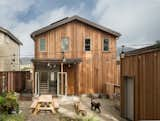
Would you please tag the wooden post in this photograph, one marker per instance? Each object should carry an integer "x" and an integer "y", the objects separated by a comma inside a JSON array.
[
  {"x": 61, "y": 78},
  {"x": 3, "y": 83}
]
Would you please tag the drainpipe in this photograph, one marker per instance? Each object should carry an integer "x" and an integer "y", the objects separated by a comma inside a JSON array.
[{"x": 122, "y": 56}]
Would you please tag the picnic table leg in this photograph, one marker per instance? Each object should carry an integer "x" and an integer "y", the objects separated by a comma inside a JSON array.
[
  {"x": 52, "y": 108},
  {"x": 36, "y": 109}
]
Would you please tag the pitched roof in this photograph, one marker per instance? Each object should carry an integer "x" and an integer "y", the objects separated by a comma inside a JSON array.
[
  {"x": 147, "y": 49},
  {"x": 70, "y": 19},
  {"x": 15, "y": 39}
]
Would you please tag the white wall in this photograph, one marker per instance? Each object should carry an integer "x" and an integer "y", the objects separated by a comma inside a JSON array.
[{"x": 7, "y": 48}]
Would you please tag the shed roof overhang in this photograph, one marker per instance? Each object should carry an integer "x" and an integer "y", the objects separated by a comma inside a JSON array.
[{"x": 144, "y": 50}]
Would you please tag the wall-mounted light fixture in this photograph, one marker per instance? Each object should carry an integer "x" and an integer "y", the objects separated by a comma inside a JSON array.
[{"x": 122, "y": 54}]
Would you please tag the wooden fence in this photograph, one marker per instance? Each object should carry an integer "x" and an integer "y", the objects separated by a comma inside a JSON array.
[{"x": 13, "y": 80}]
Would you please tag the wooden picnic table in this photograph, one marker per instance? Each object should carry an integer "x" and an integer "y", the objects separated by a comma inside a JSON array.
[{"x": 43, "y": 103}]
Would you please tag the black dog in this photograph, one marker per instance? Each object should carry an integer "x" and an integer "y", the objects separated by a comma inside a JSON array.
[{"x": 95, "y": 105}]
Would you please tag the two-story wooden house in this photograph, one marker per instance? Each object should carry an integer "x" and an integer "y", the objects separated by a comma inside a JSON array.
[{"x": 74, "y": 56}]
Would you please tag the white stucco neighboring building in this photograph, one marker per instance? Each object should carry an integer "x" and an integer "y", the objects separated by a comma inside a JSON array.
[{"x": 9, "y": 51}]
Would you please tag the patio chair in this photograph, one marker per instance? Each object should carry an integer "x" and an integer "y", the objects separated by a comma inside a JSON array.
[
  {"x": 55, "y": 104},
  {"x": 80, "y": 109}
]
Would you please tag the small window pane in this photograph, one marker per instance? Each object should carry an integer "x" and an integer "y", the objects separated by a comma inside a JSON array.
[
  {"x": 105, "y": 45},
  {"x": 65, "y": 44},
  {"x": 87, "y": 45},
  {"x": 42, "y": 45}
]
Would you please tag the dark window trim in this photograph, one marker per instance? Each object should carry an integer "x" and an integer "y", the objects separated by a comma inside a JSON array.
[
  {"x": 103, "y": 45},
  {"x": 87, "y": 45}
]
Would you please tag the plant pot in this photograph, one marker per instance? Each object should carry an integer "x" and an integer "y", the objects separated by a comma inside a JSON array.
[{"x": 10, "y": 111}]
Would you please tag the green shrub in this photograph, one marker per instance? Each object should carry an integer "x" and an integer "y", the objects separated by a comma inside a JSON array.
[
  {"x": 2, "y": 100},
  {"x": 89, "y": 118},
  {"x": 6, "y": 117},
  {"x": 8, "y": 103},
  {"x": 79, "y": 118}
]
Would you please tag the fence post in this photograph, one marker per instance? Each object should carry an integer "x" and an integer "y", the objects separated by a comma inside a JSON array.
[{"x": 3, "y": 83}]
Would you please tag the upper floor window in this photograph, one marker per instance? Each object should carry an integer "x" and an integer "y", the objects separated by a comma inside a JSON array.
[
  {"x": 87, "y": 44},
  {"x": 65, "y": 44},
  {"x": 105, "y": 45},
  {"x": 42, "y": 45}
]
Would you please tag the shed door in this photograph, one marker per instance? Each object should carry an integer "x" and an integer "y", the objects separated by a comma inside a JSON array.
[{"x": 129, "y": 98}]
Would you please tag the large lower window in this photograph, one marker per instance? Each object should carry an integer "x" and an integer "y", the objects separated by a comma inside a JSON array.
[
  {"x": 87, "y": 44},
  {"x": 105, "y": 45},
  {"x": 42, "y": 45}
]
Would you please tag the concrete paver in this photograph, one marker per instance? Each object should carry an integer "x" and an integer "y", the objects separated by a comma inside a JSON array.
[{"x": 109, "y": 113}]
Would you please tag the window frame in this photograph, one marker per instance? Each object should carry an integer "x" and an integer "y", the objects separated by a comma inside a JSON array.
[
  {"x": 103, "y": 45},
  {"x": 40, "y": 45},
  {"x": 85, "y": 44},
  {"x": 68, "y": 44}
]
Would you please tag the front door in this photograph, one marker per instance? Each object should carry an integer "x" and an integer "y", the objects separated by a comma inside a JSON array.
[
  {"x": 53, "y": 83},
  {"x": 62, "y": 83}
]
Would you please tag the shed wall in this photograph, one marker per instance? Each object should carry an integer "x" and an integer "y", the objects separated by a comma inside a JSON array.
[{"x": 145, "y": 69}]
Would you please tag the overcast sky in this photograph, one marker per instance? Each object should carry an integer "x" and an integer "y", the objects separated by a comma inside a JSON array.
[{"x": 137, "y": 20}]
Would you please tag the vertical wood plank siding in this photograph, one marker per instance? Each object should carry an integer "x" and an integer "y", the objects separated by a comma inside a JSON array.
[
  {"x": 145, "y": 68},
  {"x": 97, "y": 67}
]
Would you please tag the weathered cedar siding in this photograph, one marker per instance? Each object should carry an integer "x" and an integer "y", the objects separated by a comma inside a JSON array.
[
  {"x": 97, "y": 67},
  {"x": 145, "y": 69}
]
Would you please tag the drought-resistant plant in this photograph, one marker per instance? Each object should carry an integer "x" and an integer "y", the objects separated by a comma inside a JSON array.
[
  {"x": 2, "y": 101},
  {"x": 6, "y": 117},
  {"x": 8, "y": 103},
  {"x": 89, "y": 118},
  {"x": 79, "y": 118}
]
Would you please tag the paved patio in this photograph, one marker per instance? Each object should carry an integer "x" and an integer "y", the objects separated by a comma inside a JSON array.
[{"x": 109, "y": 113}]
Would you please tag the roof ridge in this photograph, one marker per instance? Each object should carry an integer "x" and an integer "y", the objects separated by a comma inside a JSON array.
[{"x": 70, "y": 19}]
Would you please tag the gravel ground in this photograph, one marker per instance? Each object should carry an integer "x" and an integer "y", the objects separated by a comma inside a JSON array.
[{"x": 109, "y": 113}]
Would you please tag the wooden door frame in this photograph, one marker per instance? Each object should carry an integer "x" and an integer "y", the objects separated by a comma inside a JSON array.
[{"x": 36, "y": 82}]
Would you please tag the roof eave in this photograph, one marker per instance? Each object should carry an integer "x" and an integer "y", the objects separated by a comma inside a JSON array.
[
  {"x": 143, "y": 50},
  {"x": 7, "y": 32}
]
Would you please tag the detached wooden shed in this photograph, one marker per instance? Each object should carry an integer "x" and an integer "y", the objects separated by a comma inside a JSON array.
[{"x": 140, "y": 84}]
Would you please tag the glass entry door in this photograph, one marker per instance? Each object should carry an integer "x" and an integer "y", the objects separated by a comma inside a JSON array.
[
  {"x": 53, "y": 83},
  {"x": 62, "y": 83}
]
